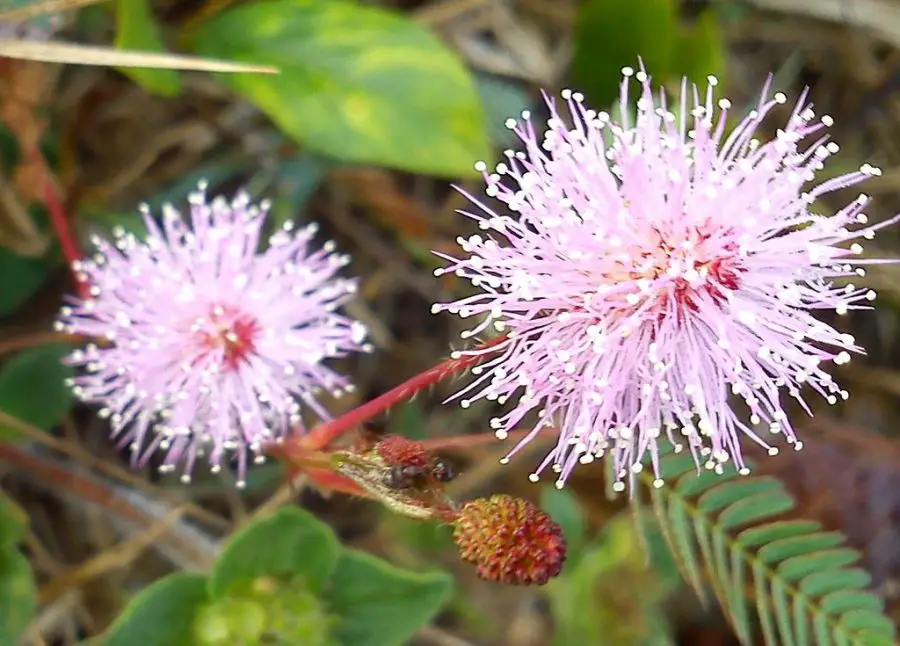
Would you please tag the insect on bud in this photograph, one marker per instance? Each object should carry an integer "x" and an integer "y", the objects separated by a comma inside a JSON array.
[{"x": 510, "y": 540}]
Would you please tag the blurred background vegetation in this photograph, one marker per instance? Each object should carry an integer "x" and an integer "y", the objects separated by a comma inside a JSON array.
[{"x": 379, "y": 107}]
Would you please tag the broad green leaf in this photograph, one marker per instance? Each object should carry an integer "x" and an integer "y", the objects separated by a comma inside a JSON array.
[
  {"x": 290, "y": 543},
  {"x": 360, "y": 84},
  {"x": 565, "y": 509},
  {"x": 33, "y": 388},
  {"x": 22, "y": 277},
  {"x": 612, "y": 34},
  {"x": 136, "y": 29},
  {"x": 381, "y": 605},
  {"x": 18, "y": 596},
  {"x": 162, "y": 615}
]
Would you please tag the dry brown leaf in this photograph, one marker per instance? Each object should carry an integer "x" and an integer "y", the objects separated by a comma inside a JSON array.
[{"x": 73, "y": 54}]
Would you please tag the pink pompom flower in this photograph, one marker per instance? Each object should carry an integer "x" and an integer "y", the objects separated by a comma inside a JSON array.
[
  {"x": 208, "y": 344},
  {"x": 657, "y": 278}
]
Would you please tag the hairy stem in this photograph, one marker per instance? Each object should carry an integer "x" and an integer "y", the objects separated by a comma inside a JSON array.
[
  {"x": 324, "y": 434},
  {"x": 60, "y": 223}
]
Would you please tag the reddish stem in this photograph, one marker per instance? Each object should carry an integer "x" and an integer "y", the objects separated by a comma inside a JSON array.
[
  {"x": 69, "y": 481},
  {"x": 60, "y": 223},
  {"x": 324, "y": 434}
]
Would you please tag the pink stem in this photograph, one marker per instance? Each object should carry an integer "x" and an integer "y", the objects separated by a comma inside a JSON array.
[
  {"x": 324, "y": 434},
  {"x": 60, "y": 223}
]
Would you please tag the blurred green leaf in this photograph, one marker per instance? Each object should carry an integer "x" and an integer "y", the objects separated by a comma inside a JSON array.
[
  {"x": 33, "y": 388},
  {"x": 419, "y": 537},
  {"x": 381, "y": 605},
  {"x": 610, "y": 597},
  {"x": 408, "y": 419},
  {"x": 297, "y": 181},
  {"x": 18, "y": 596},
  {"x": 136, "y": 29},
  {"x": 13, "y": 521},
  {"x": 22, "y": 278},
  {"x": 612, "y": 34},
  {"x": 357, "y": 83},
  {"x": 291, "y": 542},
  {"x": 700, "y": 50},
  {"x": 162, "y": 615},
  {"x": 502, "y": 100},
  {"x": 564, "y": 508}
]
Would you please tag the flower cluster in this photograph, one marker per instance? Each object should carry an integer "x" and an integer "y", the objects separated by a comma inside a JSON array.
[
  {"x": 207, "y": 344},
  {"x": 649, "y": 270}
]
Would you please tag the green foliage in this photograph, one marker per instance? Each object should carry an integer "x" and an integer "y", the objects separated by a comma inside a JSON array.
[
  {"x": 564, "y": 508},
  {"x": 731, "y": 527},
  {"x": 360, "y": 84},
  {"x": 612, "y": 34},
  {"x": 285, "y": 579},
  {"x": 17, "y": 589},
  {"x": 22, "y": 277},
  {"x": 502, "y": 99},
  {"x": 162, "y": 615},
  {"x": 381, "y": 605},
  {"x": 290, "y": 543},
  {"x": 609, "y": 595},
  {"x": 408, "y": 420},
  {"x": 136, "y": 30},
  {"x": 33, "y": 386},
  {"x": 700, "y": 49}
]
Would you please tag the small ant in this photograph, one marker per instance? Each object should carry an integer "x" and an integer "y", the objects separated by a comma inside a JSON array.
[{"x": 406, "y": 476}]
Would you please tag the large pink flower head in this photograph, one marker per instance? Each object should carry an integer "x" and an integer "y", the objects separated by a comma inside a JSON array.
[
  {"x": 208, "y": 344},
  {"x": 650, "y": 273}
]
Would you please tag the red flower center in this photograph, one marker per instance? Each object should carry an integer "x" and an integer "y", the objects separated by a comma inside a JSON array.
[
  {"x": 231, "y": 332},
  {"x": 705, "y": 262}
]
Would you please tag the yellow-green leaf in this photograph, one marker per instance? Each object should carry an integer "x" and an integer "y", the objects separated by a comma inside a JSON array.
[{"x": 360, "y": 84}]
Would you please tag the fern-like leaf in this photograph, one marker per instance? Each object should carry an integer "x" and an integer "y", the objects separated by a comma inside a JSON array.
[{"x": 803, "y": 580}]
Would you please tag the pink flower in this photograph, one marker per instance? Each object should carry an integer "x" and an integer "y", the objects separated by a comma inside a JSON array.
[
  {"x": 207, "y": 344},
  {"x": 659, "y": 280}
]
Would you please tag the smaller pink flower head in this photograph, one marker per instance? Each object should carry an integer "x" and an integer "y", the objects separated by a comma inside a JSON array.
[
  {"x": 207, "y": 344},
  {"x": 656, "y": 278}
]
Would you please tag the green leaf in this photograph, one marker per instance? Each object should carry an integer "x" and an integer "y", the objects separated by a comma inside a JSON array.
[
  {"x": 502, "y": 100},
  {"x": 381, "y": 605},
  {"x": 136, "y": 30},
  {"x": 408, "y": 419},
  {"x": 161, "y": 615},
  {"x": 565, "y": 509},
  {"x": 360, "y": 84},
  {"x": 33, "y": 388},
  {"x": 22, "y": 277},
  {"x": 804, "y": 588},
  {"x": 18, "y": 596},
  {"x": 13, "y": 521},
  {"x": 589, "y": 599},
  {"x": 290, "y": 543},
  {"x": 700, "y": 50},
  {"x": 612, "y": 34}
]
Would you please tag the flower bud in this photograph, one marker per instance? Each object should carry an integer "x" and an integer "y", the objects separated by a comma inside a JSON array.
[{"x": 510, "y": 540}]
